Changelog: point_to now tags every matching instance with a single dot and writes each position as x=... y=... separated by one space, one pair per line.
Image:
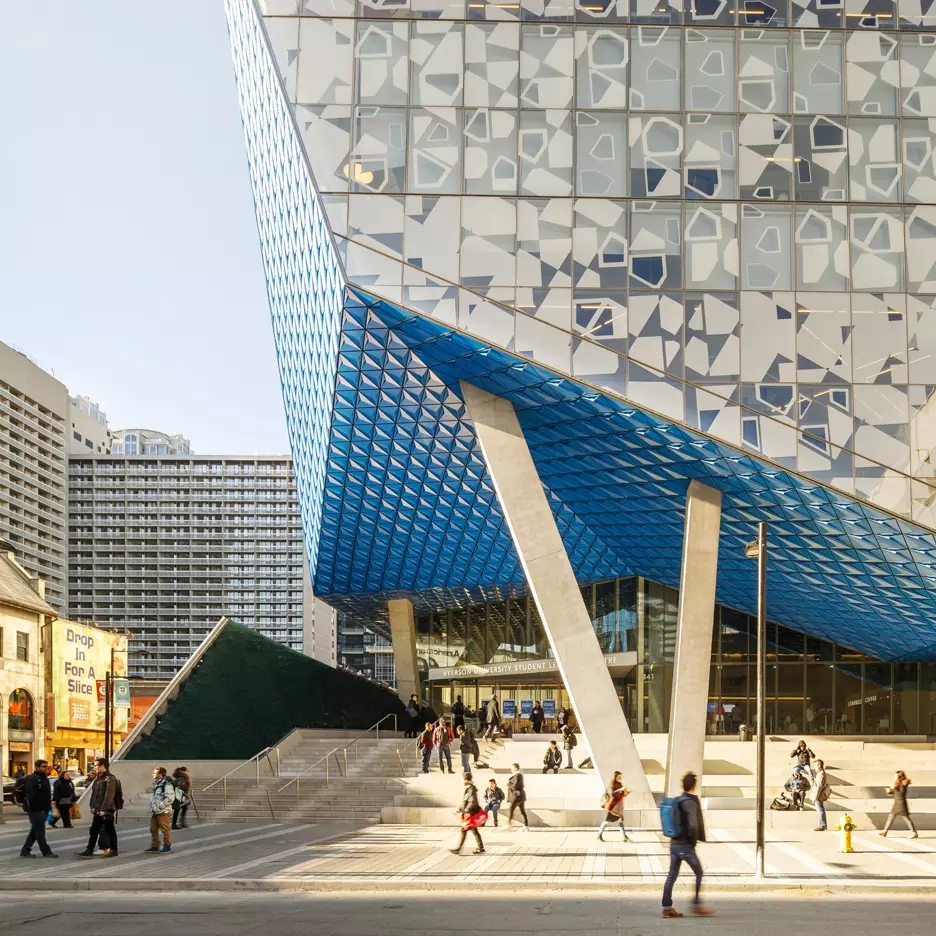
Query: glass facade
x=684 y=243
x=725 y=216
x=813 y=686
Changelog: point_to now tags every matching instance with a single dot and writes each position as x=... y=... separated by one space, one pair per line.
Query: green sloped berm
x=249 y=691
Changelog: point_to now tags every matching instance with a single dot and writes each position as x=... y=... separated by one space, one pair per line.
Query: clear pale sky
x=129 y=258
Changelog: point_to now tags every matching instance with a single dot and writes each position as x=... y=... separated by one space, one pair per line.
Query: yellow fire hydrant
x=845 y=827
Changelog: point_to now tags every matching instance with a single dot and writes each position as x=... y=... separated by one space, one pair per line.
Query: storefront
x=517 y=685
x=80 y=660
x=813 y=686
x=20 y=758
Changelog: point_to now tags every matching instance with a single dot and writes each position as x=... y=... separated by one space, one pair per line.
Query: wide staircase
x=859 y=770
x=318 y=776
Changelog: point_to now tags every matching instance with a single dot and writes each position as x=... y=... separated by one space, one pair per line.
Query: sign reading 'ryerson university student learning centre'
x=619 y=663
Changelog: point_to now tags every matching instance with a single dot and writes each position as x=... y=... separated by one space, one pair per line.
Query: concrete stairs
x=858 y=769
x=375 y=770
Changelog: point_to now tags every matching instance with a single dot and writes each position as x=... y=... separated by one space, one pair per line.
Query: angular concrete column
x=403 y=638
x=556 y=592
x=695 y=619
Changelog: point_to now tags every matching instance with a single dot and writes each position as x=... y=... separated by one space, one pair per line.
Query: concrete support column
x=403 y=638
x=695 y=619
x=553 y=586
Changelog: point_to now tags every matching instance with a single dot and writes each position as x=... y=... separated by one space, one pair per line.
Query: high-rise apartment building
x=165 y=546
x=34 y=441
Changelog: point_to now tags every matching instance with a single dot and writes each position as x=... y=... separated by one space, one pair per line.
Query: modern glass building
x=687 y=241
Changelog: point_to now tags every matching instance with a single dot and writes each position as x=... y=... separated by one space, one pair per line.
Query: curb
x=282 y=885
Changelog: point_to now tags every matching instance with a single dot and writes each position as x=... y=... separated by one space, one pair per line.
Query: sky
x=129 y=259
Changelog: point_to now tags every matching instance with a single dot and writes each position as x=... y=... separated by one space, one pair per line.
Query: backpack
x=672 y=820
x=19 y=791
x=572 y=740
x=445 y=739
x=178 y=794
x=118 y=795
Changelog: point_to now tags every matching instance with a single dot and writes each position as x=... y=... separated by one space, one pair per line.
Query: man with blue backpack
x=681 y=818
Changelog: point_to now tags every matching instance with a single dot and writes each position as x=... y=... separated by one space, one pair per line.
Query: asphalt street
x=469 y=910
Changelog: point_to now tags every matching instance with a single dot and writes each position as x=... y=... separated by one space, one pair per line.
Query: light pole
x=758 y=550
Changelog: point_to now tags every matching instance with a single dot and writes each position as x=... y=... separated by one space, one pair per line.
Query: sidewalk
x=342 y=856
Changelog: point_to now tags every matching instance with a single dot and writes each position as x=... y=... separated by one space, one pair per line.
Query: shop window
x=20 y=711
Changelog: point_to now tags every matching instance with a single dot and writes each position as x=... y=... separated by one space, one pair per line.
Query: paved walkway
x=464 y=913
x=345 y=856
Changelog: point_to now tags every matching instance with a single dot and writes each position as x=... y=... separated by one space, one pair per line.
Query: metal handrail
x=353 y=742
x=264 y=753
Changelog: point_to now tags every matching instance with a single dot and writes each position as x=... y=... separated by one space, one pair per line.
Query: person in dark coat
x=63 y=795
x=426 y=743
x=537 y=717
x=552 y=759
x=413 y=710
x=569 y=741
x=516 y=798
x=683 y=848
x=458 y=714
x=103 y=803
x=802 y=757
x=35 y=794
x=899 y=807
x=182 y=782
x=469 y=810
x=492 y=717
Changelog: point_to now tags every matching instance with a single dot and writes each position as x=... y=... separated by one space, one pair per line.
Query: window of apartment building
x=22 y=646
x=77 y=436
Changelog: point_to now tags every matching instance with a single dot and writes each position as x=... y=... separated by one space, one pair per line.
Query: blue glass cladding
x=303 y=274
x=617 y=478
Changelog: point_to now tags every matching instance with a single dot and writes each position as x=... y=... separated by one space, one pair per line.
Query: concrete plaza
x=342 y=856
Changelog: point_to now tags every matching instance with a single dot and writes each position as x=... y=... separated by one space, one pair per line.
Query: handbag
x=75 y=811
x=474 y=821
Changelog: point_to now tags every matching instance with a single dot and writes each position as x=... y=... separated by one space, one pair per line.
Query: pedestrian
x=493 y=797
x=182 y=781
x=823 y=792
x=491 y=717
x=690 y=830
x=613 y=804
x=105 y=802
x=898 y=790
x=442 y=738
x=34 y=794
x=471 y=816
x=425 y=742
x=458 y=714
x=802 y=756
x=467 y=747
x=552 y=759
x=797 y=785
x=63 y=795
x=161 y=802
x=516 y=798
x=412 y=709
x=562 y=718
x=569 y=741
x=537 y=717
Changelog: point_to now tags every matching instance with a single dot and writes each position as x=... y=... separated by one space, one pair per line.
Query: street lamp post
x=758 y=550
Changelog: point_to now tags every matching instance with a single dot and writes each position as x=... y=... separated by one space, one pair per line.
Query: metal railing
x=267 y=753
x=341 y=761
